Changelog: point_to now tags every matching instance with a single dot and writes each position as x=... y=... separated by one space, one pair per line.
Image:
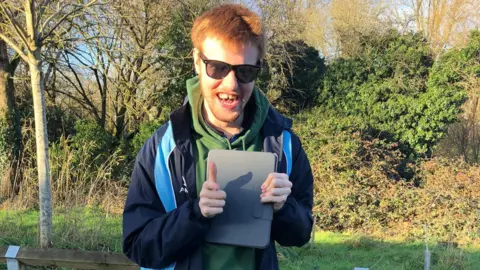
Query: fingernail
x=263 y=186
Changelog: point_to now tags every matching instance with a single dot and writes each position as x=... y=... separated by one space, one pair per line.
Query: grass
x=92 y=229
x=75 y=228
x=344 y=251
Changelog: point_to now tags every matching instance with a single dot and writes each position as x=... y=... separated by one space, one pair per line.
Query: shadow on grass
x=336 y=251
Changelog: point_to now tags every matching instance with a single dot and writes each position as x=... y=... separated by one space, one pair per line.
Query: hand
x=276 y=189
x=212 y=200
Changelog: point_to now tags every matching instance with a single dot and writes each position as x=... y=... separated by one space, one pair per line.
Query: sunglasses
x=219 y=70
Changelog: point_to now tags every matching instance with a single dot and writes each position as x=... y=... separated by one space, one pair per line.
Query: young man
x=171 y=202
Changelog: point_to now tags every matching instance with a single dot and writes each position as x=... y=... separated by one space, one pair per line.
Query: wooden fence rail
x=80 y=259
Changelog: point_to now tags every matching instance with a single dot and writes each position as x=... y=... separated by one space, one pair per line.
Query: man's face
x=226 y=98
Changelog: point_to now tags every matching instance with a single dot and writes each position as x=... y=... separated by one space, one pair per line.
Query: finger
x=212 y=172
x=213 y=202
x=278 y=192
x=271 y=178
x=274 y=199
x=216 y=210
x=213 y=211
x=209 y=185
x=279 y=183
x=267 y=182
x=213 y=194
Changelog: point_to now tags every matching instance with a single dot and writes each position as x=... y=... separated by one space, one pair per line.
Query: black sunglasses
x=219 y=70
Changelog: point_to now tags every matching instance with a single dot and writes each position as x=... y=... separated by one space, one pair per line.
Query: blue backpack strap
x=287 y=149
x=163 y=176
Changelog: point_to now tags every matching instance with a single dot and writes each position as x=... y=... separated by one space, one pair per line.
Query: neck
x=228 y=128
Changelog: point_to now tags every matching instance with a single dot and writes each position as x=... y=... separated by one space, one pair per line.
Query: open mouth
x=228 y=100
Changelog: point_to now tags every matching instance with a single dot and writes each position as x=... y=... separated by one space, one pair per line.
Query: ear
x=196 y=61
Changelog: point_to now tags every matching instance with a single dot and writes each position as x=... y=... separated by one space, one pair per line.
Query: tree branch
x=14 y=47
x=49 y=19
x=87 y=104
x=76 y=9
x=20 y=32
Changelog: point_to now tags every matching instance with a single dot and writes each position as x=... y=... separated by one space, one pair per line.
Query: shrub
x=5 y=144
x=358 y=186
x=386 y=85
x=449 y=199
x=145 y=131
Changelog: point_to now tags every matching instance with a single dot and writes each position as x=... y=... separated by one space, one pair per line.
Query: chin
x=230 y=118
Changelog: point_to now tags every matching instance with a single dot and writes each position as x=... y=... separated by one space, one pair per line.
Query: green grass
x=78 y=228
x=90 y=229
x=342 y=251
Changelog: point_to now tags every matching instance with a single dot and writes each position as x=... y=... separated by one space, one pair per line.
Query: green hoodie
x=207 y=138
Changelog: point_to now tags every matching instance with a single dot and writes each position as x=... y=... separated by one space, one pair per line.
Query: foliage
x=386 y=85
x=146 y=130
x=61 y=122
x=448 y=199
x=5 y=135
x=89 y=133
x=292 y=81
x=6 y=140
x=458 y=70
x=175 y=51
x=358 y=187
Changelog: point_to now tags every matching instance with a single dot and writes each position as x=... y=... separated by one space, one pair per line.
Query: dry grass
x=77 y=180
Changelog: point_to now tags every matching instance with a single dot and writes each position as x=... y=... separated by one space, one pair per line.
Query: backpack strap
x=287 y=149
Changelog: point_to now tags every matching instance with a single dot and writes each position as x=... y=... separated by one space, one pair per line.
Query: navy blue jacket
x=163 y=227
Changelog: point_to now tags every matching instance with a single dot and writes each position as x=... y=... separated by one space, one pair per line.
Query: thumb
x=212 y=172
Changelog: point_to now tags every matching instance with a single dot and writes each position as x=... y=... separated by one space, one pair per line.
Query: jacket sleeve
x=292 y=224
x=152 y=237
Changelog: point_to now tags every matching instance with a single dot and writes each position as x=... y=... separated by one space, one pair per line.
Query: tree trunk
x=9 y=111
x=5 y=180
x=4 y=109
x=38 y=93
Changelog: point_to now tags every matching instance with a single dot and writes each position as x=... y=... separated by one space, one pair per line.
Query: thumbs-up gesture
x=212 y=199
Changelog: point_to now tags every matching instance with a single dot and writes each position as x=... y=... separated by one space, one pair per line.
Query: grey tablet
x=245 y=221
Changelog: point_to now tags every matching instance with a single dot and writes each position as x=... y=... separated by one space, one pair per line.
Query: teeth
x=226 y=96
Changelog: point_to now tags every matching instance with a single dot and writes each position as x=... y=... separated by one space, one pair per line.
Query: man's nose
x=230 y=81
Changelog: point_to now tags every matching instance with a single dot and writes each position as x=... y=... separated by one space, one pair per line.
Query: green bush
x=358 y=187
x=146 y=130
x=60 y=123
x=89 y=134
x=292 y=75
x=386 y=84
x=4 y=144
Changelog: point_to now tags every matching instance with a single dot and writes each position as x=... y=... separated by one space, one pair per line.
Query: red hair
x=233 y=24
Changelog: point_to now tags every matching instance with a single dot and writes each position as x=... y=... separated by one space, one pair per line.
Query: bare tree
x=446 y=23
x=113 y=74
x=353 y=19
x=41 y=20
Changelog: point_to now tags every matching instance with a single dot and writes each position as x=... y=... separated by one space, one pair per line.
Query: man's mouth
x=229 y=101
